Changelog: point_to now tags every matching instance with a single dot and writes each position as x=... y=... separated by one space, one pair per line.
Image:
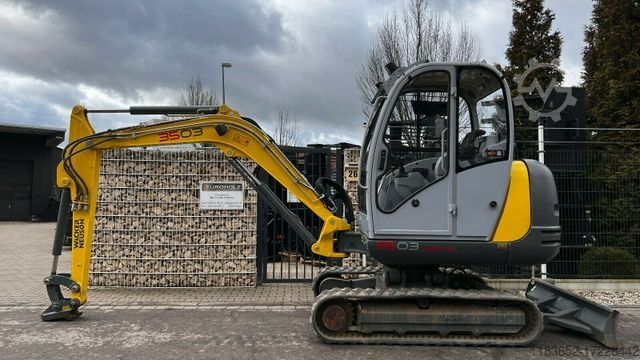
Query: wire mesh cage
x=351 y=162
x=151 y=232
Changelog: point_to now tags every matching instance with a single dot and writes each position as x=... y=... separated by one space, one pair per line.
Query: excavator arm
x=237 y=137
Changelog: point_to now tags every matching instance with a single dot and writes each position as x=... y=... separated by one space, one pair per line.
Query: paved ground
x=265 y=322
x=25 y=259
x=241 y=334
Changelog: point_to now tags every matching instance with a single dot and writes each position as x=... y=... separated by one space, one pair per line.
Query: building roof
x=56 y=135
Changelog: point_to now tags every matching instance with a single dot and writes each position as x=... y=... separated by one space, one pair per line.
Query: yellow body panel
x=240 y=138
x=515 y=219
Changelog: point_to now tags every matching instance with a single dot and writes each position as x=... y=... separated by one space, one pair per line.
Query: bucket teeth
x=61 y=310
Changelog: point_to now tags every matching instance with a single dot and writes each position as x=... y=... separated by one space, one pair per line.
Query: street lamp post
x=224 y=65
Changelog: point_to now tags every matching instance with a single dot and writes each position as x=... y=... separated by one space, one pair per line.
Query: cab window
x=482 y=119
x=416 y=139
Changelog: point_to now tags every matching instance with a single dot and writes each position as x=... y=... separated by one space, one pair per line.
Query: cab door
x=411 y=188
x=484 y=151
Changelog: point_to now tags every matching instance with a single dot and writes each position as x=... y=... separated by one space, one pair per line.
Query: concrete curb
x=9 y=308
x=38 y=308
x=571 y=284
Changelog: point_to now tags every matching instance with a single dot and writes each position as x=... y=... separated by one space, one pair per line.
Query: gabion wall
x=351 y=159
x=150 y=231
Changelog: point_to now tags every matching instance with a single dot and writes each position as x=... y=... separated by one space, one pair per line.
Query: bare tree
x=417 y=34
x=193 y=95
x=196 y=94
x=287 y=128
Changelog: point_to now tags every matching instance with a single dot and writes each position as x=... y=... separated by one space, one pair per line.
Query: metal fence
x=597 y=174
x=282 y=255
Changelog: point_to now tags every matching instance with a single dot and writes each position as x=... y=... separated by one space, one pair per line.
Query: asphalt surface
x=266 y=322
x=265 y=334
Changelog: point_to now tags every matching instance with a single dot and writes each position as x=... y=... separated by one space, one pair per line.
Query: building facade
x=28 y=160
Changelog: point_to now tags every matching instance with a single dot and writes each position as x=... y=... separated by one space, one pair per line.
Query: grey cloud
x=132 y=47
x=125 y=45
x=304 y=55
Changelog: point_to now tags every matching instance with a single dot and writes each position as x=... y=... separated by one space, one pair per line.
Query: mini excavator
x=438 y=190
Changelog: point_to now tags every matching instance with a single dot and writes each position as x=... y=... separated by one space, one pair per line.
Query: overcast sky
x=300 y=54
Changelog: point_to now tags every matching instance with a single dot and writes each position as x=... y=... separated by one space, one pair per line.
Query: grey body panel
x=540 y=245
x=428 y=218
x=476 y=188
x=544 y=196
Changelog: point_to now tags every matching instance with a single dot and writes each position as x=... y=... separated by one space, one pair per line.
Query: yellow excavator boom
x=235 y=136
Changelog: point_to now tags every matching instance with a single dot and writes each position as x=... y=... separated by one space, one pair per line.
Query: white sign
x=221 y=196
x=292 y=198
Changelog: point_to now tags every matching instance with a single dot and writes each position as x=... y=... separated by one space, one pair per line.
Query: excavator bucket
x=573 y=312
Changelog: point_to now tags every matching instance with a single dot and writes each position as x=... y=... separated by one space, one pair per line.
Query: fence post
x=543 y=267
x=261 y=235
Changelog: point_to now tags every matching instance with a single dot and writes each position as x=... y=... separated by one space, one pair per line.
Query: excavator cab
x=437 y=172
x=430 y=125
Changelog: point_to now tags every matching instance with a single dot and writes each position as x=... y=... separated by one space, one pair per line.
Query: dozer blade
x=571 y=311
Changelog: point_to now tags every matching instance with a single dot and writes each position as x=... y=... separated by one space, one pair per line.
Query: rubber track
x=526 y=336
x=338 y=271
